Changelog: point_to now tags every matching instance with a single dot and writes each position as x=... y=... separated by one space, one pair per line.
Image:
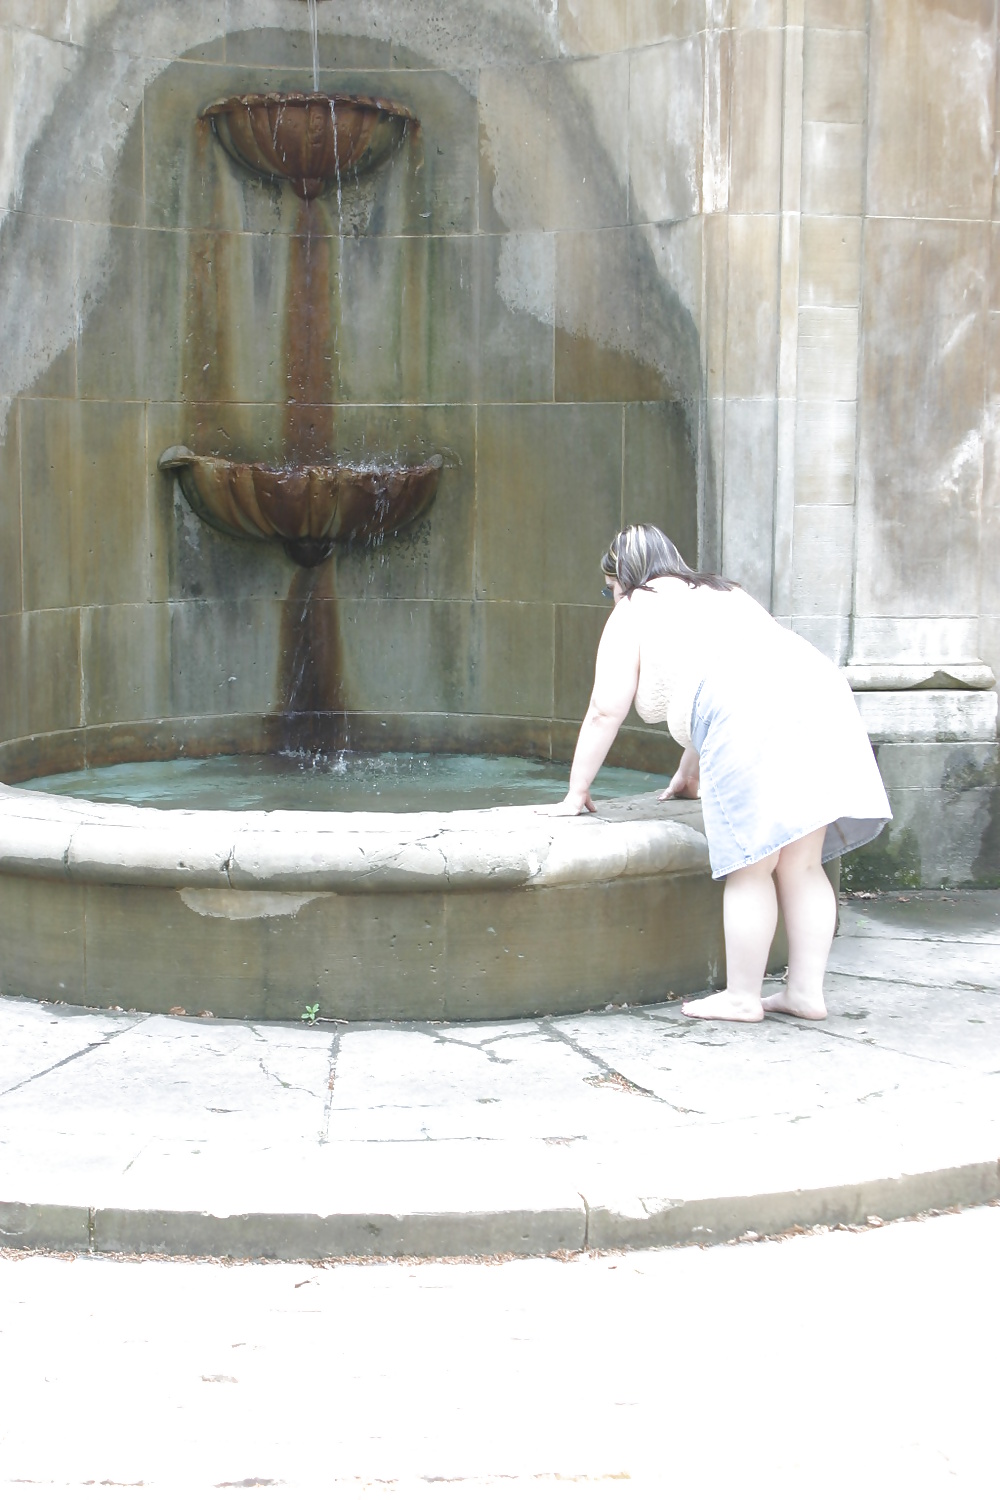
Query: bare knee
x=801 y=858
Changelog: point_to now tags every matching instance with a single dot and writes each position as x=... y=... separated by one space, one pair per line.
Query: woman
x=773 y=741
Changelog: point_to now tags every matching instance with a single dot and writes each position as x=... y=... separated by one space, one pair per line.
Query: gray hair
x=640 y=553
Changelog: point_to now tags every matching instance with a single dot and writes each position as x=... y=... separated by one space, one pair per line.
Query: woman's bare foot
x=806 y=1010
x=724 y=1007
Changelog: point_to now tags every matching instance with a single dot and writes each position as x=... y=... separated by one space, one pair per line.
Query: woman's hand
x=686 y=779
x=572 y=805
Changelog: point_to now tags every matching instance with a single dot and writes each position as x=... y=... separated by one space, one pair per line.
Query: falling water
x=314 y=38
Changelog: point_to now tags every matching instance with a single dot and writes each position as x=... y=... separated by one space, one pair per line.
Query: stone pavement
x=130 y=1132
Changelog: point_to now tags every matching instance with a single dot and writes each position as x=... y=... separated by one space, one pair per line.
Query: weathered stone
x=928 y=156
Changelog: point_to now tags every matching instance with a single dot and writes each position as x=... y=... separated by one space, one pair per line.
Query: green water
x=392 y=782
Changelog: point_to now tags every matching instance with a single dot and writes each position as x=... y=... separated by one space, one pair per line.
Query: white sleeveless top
x=681 y=631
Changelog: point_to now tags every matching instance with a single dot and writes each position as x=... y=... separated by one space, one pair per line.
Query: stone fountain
x=484 y=913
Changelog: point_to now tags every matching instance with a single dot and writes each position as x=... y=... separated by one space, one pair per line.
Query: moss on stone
x=891 y=862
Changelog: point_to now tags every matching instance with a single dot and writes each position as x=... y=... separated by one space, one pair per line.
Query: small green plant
x=310 y=1015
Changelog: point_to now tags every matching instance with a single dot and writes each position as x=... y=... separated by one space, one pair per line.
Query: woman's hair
x=640 y=553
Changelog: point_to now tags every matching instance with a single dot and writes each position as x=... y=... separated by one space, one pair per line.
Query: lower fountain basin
x=474 y=914
x=308 y=507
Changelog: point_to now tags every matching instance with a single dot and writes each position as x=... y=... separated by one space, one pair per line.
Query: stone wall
x=726 y=265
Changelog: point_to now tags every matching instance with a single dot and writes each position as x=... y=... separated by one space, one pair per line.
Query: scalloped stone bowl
x=309 y=507
x=310 y=140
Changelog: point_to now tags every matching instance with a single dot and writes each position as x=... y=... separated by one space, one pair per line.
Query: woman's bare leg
x=750 y=914
x=809 y=907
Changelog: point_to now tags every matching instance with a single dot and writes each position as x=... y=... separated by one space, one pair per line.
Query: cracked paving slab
x=946 y=964
x=167 y=1076
x=413 y=1085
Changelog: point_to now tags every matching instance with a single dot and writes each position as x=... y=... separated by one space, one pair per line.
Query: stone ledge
x=939 y=715
x=113 y=844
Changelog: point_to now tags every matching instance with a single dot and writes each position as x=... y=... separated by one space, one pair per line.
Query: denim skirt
x=783 y=752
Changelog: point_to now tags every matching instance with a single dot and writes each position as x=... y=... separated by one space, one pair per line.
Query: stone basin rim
x=70 y=839
x=179 y=456
x=296 y=97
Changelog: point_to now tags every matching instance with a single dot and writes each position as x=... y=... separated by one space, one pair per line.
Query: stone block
x=934 y=715
x=538 y=466
x=63 y=176
x=828 y=353
x=126 y=663
x=10 y=511
x=408 y=319
x=578 y=630
x=423 y=661
x=513 y=148
x=530 y=949
x=651 y=21
x=625 y=329
x=594 y=25
x=666 y=133
x=851 y=15
x=511 y=659
x=825 y=437
x=915 y=639
x=755 y=142
x=752 y=303
x=920 y=445
x=588 y=158
x=515 y=316
x=84 y=516
x=660 y=481
x=38 y=352
x=237 y=964
x=928 y=157
x=47 y=18
x=715 y=317
x=833 y=167
x=755 y=14
x=830 y=634
x=224 y=655
x=111 y=357
x=948 y=768
x=748 y=507
x=830 y=261
x=835 y=75
x=553 y=142
x=241 y=317
x=42 y=918
x=937 y=838
x=822 y=560
x=290 y=48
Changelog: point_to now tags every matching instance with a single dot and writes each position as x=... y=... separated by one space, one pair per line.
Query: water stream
x=314 y=38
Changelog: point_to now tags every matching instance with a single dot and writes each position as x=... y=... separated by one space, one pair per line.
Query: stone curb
x=660 y=1223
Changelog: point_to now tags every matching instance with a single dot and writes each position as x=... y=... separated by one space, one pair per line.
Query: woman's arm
x=686 y=779
x=616 y=679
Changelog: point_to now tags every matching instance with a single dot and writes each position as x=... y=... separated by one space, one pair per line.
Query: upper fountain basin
x=308 y=507
x=312 y=140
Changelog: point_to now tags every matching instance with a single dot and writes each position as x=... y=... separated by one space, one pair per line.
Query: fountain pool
x=422 y=914
x=346 y=781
